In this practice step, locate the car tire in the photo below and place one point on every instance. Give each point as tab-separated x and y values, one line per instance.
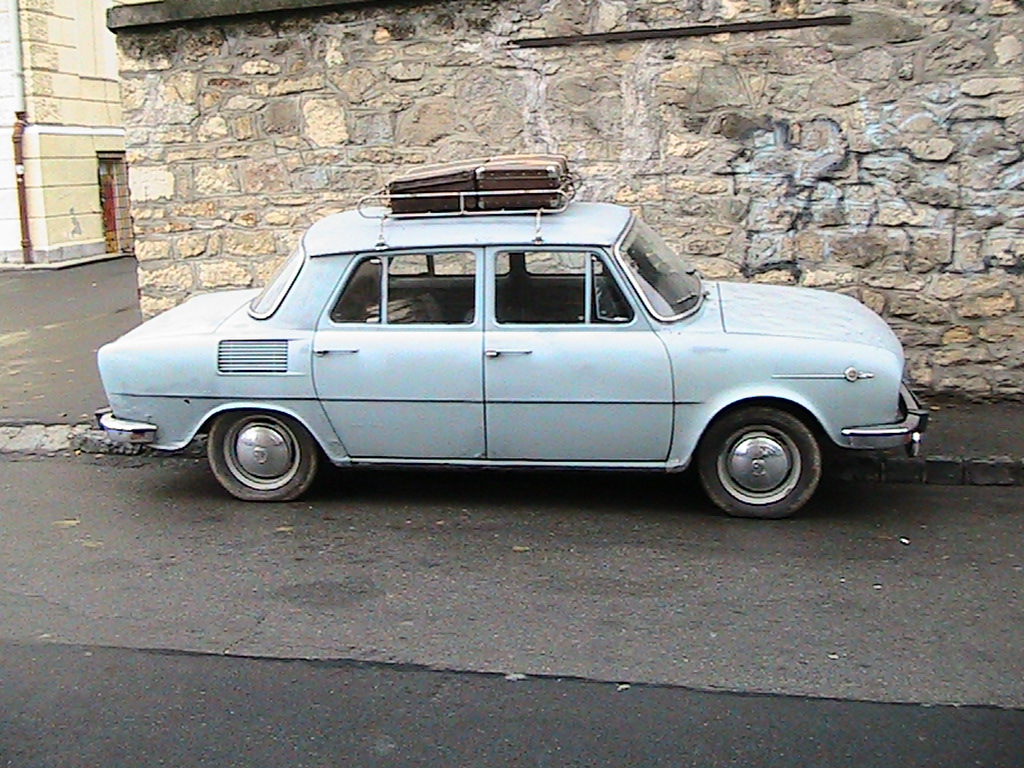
260	456
759	462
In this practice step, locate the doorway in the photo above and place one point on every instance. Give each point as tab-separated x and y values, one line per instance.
114	202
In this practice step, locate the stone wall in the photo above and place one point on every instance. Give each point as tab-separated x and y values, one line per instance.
881	159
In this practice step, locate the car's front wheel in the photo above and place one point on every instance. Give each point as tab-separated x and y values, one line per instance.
262	456
759	462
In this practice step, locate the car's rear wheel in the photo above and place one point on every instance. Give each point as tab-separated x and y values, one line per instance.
260	456
759	462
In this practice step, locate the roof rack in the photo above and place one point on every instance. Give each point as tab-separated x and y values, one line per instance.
381	204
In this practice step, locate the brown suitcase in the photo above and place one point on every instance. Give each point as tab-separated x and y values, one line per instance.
509	183
440	188
531	181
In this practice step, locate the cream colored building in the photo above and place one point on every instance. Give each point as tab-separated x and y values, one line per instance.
63	191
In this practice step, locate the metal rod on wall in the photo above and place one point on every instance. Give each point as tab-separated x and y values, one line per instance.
674	32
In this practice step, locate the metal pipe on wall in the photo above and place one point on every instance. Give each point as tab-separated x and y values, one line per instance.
21	122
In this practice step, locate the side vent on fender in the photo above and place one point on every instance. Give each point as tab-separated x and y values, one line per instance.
253	356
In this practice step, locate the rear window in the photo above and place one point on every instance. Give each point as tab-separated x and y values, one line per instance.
270	298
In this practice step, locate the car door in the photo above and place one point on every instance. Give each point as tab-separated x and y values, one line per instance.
573	371
398	357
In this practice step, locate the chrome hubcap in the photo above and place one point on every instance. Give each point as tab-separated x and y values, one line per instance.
759	465
263	453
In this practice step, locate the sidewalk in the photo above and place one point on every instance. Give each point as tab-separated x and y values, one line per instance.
52	323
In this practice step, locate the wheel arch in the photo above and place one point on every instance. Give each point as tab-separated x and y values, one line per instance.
321	432
260	407
792	407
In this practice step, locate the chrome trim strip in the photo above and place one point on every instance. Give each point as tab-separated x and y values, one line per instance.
844	376
809	376
532	463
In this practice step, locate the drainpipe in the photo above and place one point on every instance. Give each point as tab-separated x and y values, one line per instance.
20	124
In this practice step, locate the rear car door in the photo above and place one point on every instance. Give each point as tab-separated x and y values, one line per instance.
398	356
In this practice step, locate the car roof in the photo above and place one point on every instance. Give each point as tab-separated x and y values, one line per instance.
598	224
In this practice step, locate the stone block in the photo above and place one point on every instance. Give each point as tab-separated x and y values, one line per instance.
282	116
191	246
996	470
176	278
860	468
988	306
987	86
944	470
152	250
150	183
151	305
901	469
215	275
427	121
215	180
261	67
239	243
290	85
325	122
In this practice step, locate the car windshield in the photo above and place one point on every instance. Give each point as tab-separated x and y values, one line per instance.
270	298
670	287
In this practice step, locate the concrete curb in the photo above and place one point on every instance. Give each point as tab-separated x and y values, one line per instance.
48	440
932	470
57	265
51	439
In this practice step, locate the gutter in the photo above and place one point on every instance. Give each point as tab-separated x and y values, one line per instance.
20	124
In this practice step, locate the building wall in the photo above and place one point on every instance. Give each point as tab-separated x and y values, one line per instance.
881	159
72	103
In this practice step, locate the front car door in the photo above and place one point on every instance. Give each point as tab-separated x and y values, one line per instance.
398	357
573	371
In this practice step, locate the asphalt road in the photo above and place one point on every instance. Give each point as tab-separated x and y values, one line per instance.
81	707
51	324
878	593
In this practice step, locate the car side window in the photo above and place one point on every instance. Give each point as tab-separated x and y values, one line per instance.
420	288
607	300
556	287
540	287
360	301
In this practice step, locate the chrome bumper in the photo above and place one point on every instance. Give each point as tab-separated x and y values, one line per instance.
121	431
906	432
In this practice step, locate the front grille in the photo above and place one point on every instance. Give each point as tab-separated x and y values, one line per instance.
253	356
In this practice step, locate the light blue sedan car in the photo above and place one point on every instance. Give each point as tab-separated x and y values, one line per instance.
572	339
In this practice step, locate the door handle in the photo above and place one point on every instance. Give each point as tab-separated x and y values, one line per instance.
325	352
497	352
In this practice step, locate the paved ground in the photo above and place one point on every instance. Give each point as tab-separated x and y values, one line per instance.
51	324
900	593
82	707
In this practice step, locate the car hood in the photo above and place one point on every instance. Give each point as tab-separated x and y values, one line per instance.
200	314
802	313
